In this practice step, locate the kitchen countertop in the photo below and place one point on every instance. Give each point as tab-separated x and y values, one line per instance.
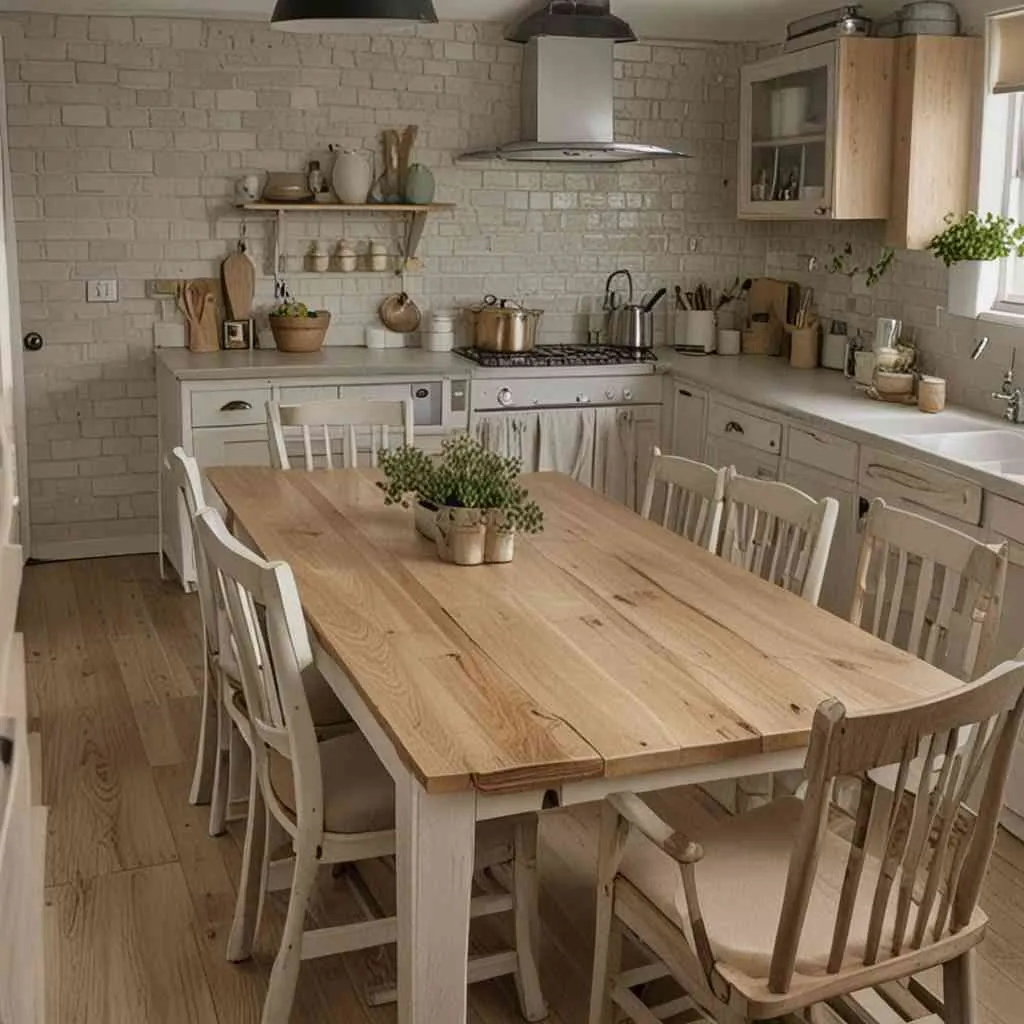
333	361
826	399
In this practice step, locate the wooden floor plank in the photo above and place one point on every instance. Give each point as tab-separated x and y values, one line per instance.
136	929
121	948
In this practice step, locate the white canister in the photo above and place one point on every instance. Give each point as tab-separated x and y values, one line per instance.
439	335
865	368
694	330
345	257
378	257
379	337
352	177
729	343
833	351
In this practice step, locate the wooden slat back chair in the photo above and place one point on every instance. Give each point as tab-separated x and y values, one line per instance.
771	912
694	496
778	533
930	589
210	775
333	428
333	799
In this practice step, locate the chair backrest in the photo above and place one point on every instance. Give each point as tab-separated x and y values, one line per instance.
329	430
930	589
274	658
188	479
778	533
933	852
694	496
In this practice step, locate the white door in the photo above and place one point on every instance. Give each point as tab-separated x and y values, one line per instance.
690	406
14	517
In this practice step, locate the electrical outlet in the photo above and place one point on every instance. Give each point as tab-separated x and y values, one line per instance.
101	291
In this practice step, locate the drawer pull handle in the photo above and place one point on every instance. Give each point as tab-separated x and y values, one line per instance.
732	427
898	476
686	394
236	406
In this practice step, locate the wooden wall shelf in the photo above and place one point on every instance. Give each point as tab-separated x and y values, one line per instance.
415	214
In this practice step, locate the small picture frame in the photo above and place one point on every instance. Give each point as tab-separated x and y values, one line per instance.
237	334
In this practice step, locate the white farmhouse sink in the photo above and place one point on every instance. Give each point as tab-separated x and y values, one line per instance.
997	451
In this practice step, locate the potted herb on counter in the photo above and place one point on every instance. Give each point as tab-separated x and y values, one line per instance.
966	246
470	500
297	328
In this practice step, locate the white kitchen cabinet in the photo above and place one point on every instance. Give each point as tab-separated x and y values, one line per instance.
837	590
689	411
815	133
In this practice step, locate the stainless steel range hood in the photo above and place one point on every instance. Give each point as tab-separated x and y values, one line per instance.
568	89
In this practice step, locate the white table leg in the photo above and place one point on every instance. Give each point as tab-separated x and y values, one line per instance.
436	840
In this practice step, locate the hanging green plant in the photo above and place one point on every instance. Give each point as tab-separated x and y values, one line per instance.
974	238
842	262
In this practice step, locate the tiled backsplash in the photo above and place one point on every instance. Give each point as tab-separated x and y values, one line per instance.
127	135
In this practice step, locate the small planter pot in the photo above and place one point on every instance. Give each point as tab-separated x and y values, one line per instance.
500	546
461	535
300	333
963	288
426	520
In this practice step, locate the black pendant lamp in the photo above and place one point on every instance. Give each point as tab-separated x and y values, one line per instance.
324	16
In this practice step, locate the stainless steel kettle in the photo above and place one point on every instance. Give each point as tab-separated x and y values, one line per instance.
628	325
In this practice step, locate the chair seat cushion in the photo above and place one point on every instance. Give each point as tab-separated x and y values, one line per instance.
741	882
359	795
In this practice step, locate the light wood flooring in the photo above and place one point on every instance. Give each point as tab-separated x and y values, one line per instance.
139	897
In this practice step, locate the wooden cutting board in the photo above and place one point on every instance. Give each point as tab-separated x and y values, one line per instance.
204	334
239	277
773	297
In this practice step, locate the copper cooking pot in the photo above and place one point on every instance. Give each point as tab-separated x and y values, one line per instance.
501	325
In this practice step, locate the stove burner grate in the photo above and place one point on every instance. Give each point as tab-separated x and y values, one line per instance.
559	355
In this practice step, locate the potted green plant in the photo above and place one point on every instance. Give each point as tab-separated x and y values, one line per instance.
966	245
297	328
471	497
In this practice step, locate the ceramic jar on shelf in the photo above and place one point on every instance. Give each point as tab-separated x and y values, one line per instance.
352	177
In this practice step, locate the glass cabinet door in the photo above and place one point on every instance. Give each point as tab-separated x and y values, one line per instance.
787	124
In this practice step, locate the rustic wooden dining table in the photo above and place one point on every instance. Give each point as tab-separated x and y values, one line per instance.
610	655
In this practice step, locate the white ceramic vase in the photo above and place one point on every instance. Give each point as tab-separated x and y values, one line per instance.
352	177
500	546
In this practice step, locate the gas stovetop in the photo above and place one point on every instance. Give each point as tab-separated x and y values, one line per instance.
559	356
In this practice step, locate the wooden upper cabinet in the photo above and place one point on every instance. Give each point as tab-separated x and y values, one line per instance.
816	133
938	81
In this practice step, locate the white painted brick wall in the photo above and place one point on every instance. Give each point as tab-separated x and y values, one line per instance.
127	135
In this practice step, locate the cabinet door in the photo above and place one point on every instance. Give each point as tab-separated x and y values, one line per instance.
623	451
690	406
787	135
837	590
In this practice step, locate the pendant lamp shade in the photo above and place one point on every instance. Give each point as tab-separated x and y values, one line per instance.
324	16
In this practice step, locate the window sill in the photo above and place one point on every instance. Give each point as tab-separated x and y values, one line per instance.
998	316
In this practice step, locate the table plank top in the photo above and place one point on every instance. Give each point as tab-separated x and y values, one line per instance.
609	647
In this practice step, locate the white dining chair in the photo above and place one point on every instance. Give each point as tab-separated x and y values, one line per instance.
930	590
333	799
785	537
693	500
768	914
223	725
933	591
337	430
779	533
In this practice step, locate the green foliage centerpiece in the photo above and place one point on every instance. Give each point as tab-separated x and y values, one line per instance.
470	499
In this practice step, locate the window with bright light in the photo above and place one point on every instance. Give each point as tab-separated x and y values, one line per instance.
1011	286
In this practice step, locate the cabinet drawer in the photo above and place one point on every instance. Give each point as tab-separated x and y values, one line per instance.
746	460
230	408
742	427
1004	518
819	450
298	396
914	483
